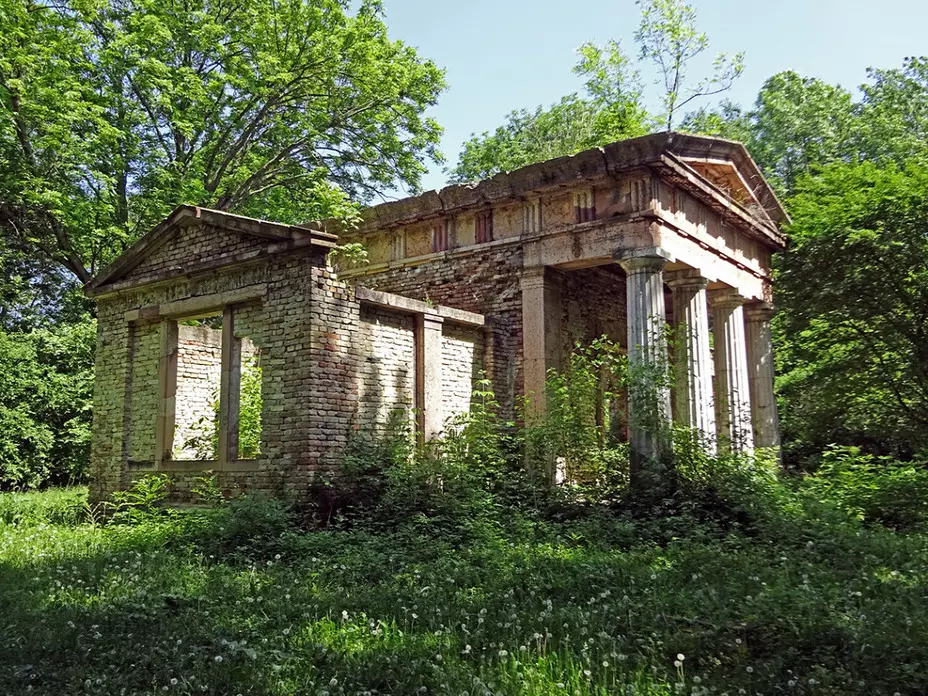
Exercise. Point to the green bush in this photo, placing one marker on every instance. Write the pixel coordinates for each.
(249, 525)
(46, 385)
(64, 506)
(872, 488)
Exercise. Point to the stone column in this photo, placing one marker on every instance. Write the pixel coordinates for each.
(428, 375)
(732, 393)
(541, 333)
(692, 358)
(649, 397)
(760, 374)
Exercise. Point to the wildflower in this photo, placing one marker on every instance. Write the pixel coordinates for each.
(680, 657)
(677, 664)
(333, 682)
(737, 641)
(218, 658)
(503, 653)
(750, 670)
(173, 681)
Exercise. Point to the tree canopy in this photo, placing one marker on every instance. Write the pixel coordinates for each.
(853, 293)
(112, 113)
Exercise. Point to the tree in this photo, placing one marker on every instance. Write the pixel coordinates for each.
(667, 36)
(609, 111)
(112, 113)
(853, 293)
(893, 115)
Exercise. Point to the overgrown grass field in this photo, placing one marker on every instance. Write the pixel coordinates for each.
(795, 598)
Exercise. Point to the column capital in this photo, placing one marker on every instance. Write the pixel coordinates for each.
(725, 299)
(431, 321)
(758, 311)
(642, 259)
(537, 276)
(686, 278)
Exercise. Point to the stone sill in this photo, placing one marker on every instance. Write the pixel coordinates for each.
(198, 466)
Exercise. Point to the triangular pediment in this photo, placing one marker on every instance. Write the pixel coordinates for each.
(194, 238)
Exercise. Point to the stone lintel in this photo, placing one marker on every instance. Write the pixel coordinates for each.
(406, 305)
(202, 305)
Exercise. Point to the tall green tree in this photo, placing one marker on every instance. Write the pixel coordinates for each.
(611, 106)
(114, 112)
(853, 294)
(609, 110)
(667, 37)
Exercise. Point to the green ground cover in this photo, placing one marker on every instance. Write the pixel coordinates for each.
(793, 597)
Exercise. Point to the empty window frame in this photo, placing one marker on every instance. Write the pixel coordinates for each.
(211, 399)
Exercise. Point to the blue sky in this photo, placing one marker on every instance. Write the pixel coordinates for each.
(506, 54)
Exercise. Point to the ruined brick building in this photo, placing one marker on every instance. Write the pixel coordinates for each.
(211, 319)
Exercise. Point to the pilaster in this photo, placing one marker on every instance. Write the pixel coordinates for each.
(541, 333)
(428, 375)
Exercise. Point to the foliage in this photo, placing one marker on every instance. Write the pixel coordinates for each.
(872, 488)
(784, 595)
(853, 351)
(528, 136)
(46, 382)
(800, 124)
(64, 506)
(112, 113)
(583, 430)
(251, 405)
(667, 36)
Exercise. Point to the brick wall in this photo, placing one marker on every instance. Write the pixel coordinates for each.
(387, 370)
(330, 366)
(462, 362)
(486, 281)
(593, 304)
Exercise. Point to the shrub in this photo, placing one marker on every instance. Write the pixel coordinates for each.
(46, 384)
(64, 506)
(872, 488)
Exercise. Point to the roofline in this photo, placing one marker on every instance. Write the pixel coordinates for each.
(607, 160)
(186, 214)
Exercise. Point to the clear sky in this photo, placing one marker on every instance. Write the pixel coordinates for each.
(502, 55)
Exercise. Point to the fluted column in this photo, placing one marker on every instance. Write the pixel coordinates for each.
(732, 393)
(694, 404)
(760, 374)
(649, 396)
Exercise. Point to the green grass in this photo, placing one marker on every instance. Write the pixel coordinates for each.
(194, 604)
